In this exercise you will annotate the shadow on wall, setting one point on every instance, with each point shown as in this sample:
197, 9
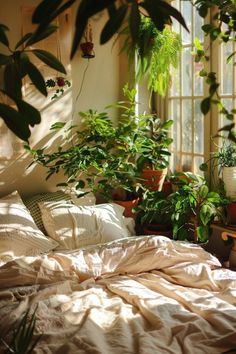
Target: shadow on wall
15, 174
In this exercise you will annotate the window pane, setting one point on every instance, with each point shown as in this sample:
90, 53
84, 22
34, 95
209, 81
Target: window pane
198, 160
187, 163
198, 23
187, 125
187, 14
228, 102
226, 69
187, 72
198, 81
198, 128
175, 82
175, 115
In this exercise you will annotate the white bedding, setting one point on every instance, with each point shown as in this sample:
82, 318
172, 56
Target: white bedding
137, 295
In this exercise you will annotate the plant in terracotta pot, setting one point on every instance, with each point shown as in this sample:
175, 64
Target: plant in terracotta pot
153, 158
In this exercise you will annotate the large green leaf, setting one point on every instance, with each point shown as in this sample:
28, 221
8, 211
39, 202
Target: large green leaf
12, 80
205, 105
134, 21
15, 121
49, 59
35, 76
4, 59
3, 36
23, 40
113, 24
45, 9
31, 114
36, 37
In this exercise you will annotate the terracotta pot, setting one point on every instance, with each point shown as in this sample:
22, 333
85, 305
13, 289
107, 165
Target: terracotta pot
128, 205
154, 179
87, 49
231, 214
167, 188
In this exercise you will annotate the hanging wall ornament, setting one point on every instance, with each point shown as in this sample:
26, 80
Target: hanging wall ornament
87, 45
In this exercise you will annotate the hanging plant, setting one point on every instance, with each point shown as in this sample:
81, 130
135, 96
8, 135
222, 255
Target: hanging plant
59, 83
156, 53
87, 44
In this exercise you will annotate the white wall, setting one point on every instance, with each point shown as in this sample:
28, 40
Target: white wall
102, 85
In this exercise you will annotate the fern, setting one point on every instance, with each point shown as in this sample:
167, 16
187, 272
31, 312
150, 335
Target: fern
156, 53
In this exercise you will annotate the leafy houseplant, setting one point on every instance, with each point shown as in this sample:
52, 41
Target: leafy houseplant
103, 156
155, 53
225, 160
190, 209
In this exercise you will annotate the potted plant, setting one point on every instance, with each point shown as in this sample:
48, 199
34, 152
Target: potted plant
224, 159
109, 158
194, 207
153, 216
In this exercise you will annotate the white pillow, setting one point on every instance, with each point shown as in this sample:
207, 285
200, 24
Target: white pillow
75, 226
19, 236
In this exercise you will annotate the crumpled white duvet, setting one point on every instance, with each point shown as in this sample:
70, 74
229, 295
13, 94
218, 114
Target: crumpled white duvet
141, 295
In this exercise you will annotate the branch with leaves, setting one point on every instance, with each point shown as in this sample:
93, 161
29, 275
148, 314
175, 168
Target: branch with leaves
222, 27
17, 64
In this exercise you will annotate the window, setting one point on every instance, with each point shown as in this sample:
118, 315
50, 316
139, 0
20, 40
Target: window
185, 95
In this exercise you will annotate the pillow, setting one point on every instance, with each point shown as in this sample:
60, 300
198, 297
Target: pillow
19, 236
32, 203
75, 226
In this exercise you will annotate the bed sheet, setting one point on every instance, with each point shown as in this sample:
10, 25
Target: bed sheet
145, 294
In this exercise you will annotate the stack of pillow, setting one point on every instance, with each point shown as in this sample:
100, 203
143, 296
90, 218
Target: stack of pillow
56, 221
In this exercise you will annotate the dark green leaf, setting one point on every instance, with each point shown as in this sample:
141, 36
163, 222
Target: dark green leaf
173, 12
113, 24
227, 127
45, 9
155, 13
3, 36
205, 105
4, 59
49, 59
203, 167
15, 121
203, 10
35, 76
12, 80
134, 21
80, 184
36, 37
23, 39
31, 114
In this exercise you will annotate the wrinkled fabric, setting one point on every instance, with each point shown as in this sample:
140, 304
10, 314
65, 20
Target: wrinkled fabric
146, 295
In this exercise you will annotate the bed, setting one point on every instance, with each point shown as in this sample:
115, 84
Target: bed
132, 294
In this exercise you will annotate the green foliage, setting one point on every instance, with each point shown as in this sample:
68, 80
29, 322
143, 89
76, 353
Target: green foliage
191, 208
103, 156
225, 156
15, 66
155, 51
222, 28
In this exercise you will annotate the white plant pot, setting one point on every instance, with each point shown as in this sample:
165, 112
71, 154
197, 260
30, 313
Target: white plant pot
229, 179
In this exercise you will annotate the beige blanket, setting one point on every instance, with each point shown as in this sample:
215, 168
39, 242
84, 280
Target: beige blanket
138, 295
